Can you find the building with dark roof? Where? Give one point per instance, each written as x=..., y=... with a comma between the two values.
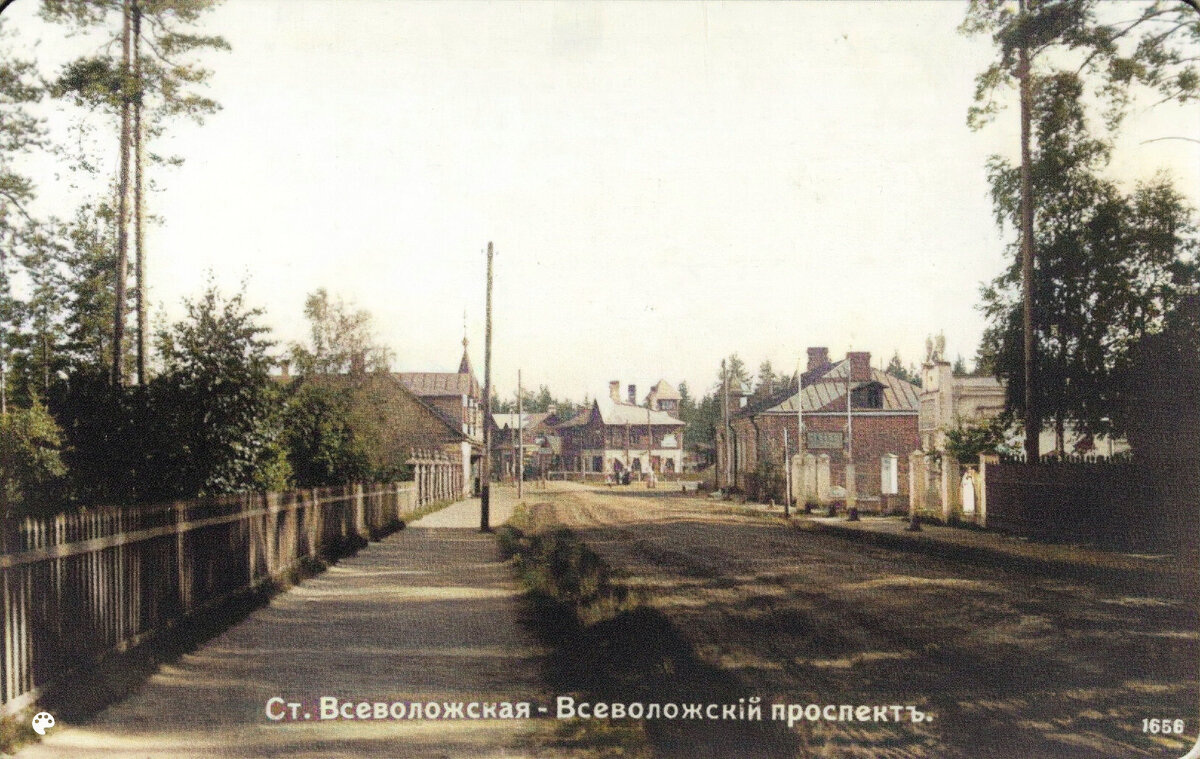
x=882, y=420
x=540, y=448
x=458, y=398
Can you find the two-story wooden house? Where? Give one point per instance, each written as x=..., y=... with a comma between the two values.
x=615, y=436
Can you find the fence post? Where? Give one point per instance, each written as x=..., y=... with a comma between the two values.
x=360, y=513
x=823, y=479
x=951, y=488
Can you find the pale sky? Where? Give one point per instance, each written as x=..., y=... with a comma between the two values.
x=665, y=183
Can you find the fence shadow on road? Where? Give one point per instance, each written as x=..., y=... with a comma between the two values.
x=607, y=646
x=1008, y=664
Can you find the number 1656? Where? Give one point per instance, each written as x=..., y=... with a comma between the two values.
x=1164, y=726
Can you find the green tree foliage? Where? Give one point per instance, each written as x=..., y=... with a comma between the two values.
x=1107, y=263
x=171, y=80
x=89, y=259
x=735, y=369
x=1158, y=399
x=218, y=401
x=322, y=445
x=20, y=132
x=341, y=339
x=967, y=439
x=537, y=402
x=209, y=423
x=1113, y=50
x=897, y=369
x=154, y=79
x=768, y=380
x=31, y=467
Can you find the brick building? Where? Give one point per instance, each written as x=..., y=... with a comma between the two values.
x=882, y=419
x=614, y=436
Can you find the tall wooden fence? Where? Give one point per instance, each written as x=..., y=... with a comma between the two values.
x=1123, y=503
x=77, y=586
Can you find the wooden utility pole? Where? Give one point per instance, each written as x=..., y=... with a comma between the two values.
x=849, y=417
x=649, y=448
x=485, y=467
x=520, y=451
x=1032, y=422
x=787, y=477
x=801, y=440
x=725, y=424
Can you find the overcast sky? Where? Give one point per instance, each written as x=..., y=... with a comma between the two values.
x=665, y=183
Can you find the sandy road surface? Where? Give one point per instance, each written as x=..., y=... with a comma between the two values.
x=1008, y=665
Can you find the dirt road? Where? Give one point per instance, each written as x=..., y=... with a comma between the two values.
x=1008, y=665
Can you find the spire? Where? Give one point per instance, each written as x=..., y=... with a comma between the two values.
x=464, y=366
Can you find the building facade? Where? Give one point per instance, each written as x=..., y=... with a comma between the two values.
x=947, y=401
x=882, y=420
x=458, y=398
x=614, y=436
x=540, y=447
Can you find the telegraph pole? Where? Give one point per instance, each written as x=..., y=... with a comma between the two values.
x=520, y=454
x=649, y=449
x=725, y=424
x=801, y=440
x=787, y=478
x=485, y=475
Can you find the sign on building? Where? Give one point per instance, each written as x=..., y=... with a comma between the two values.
x=824, y=440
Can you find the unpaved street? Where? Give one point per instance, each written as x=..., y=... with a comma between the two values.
x=1008, y=665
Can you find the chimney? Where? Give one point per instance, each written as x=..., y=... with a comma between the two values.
x=633, y=395
x=860, y=366
x=817, y=358
x=284, y=364
x=614, y=390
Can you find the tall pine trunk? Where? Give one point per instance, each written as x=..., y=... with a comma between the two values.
x=138, y=197
x=1032, y=422
x=122, y=273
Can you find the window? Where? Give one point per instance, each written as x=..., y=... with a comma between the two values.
x=868, y=396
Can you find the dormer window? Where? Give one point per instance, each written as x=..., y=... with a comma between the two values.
x=868, y=396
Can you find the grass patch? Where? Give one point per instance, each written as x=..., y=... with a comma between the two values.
x=609, y=644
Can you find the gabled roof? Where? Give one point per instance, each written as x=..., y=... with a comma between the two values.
x=620, y=414
x=442, y=384
x=528, y=420
x=829, y=387
x=612, y=412
x=826, y=386
x=664, y=392
x=352, y=380
x=431, y=384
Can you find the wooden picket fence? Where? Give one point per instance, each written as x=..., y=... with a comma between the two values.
x=75, y=587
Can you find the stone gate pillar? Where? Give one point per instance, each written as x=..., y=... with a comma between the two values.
x=950, y=490
x=810, y=477
x=851, y=486
x=823, y=479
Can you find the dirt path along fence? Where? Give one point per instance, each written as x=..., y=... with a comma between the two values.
x=75, y=587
